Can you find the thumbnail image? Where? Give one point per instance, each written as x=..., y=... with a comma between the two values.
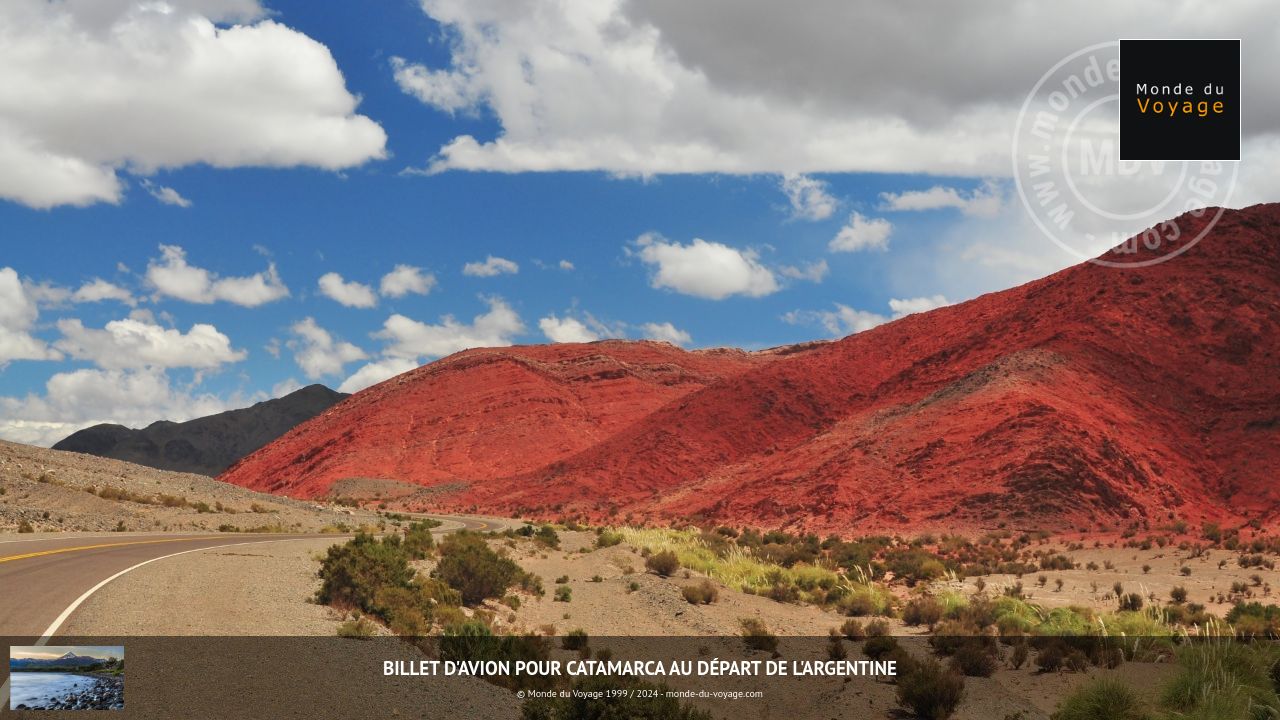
x=66, y=677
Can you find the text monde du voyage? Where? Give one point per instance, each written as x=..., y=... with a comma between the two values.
x=1180, y=99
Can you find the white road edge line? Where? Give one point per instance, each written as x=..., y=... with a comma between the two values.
x=48, y=633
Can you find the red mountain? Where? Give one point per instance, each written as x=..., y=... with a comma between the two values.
x=1094, y=397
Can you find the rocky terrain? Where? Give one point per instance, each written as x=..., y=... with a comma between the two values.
x=107, y=693
x=50, y=490
x=206, y=445
x=1093, y=399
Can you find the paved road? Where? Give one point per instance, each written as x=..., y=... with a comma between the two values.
x=44, y=579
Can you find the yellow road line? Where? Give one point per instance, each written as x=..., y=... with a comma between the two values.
x=55, y=551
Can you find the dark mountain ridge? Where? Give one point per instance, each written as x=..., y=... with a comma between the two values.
x=206, y=445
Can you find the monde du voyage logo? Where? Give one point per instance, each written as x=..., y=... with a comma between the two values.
x=1124, y=152
x=1180, y=100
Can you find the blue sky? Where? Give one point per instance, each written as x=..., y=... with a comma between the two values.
x=735, y=213
x=46, y=652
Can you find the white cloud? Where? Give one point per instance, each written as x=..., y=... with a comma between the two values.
x=862, y=233
x=318, y=353
x=663, y=86
x=445, y=90
x=566, y=265
x=809, y=197
x=97, y=290
x=172, y=276
x=566, y=330
x=93, y=88
x=705, y=269
x=18, y=314
x=985, y=201
x=844, y=320
x=46, y=294
x=405, y=279
x=349, y=294
x=666, y=332
x=490, y=267
x=409, y=341
x=375, y=372
x=75, y=400
x=813, y=272
x=911, y=306
x=166, y=195
x=408, y=338
x=124, y=344
x=285, y=387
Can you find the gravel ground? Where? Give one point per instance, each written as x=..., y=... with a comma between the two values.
x=246, y=590
x=48, y=489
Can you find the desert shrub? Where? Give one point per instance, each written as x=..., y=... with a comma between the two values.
x=202, y=506
x=404, y=611
x=532, y=584
x=1211, y=532
x=172, y=501
x=663, y=563
x=473, y=640
x=1013, y=626
x=862, y=599
x=704, y=593
x=418, y=542
x=1050, y=658
x=878, y=646
x=1224, y=679
x=951, y=634
x=608, y=538
x=562, y=579
x=1254, y=619
x=756, y=636
x=853, y=630
x=1178, y=594
x=469, y=566
x=930, y=690
x=876, y=628
x=1131, y=602
x=564, y=593
x=575, y=641
x=353, y=573
x=925, y=610
x=783, y=592
x=835, y=646
x=1018, y=655
x=25, y=527
x=1056, y=562
x=1075, y=660
x=610, y=697
x=1102, y=699
x=914, y=565
x=358, y=628
x=546, y=535
x=975, y=658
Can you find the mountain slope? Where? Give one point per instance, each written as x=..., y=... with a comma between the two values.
x=1094, y=397
x=206, y=445
x=486, y=413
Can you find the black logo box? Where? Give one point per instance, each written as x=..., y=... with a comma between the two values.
x=1186, y=67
